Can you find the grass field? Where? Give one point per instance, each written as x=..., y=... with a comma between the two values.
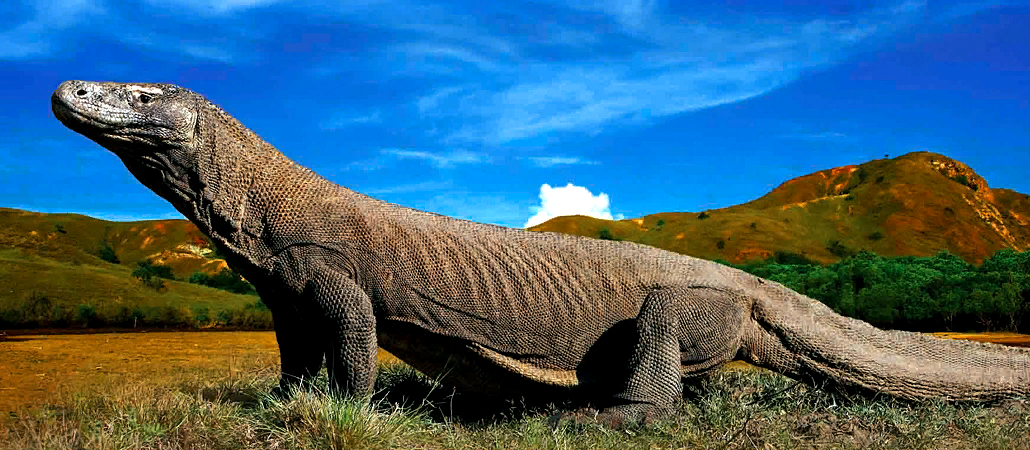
x=206, y=390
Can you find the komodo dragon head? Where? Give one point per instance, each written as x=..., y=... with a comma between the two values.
x=173, y=140
x=153, y=128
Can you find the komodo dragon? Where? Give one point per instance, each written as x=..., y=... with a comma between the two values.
x=493, y=309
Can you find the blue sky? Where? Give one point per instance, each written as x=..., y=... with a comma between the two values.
x=501, y=112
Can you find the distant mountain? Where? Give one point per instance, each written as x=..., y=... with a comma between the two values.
x=914, y=205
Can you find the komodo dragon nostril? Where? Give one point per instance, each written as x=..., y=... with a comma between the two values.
x=80, y=92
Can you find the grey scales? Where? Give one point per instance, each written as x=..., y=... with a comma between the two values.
x=490, y=309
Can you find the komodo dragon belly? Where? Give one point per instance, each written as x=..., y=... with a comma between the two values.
x=469, y=366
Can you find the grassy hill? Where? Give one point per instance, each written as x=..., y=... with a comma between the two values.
x=53, y=276
x=40, y=291
x=78, y=238
x=914, y=205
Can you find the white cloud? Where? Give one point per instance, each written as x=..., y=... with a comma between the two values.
x=567, y=201
x=438, y=160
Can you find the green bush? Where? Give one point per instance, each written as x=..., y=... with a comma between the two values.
x=939, y=293
x=607, y=235
x=876, y=235
x=86, y=315
x=838, y=249
x=704, y=215
x=721, y=244
x=151, y=274
x=37, y=310
x=147, y=268
x=107, y=253
x=201, y=316
x=225, y=279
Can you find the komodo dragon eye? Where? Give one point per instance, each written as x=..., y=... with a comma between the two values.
x=145, y=98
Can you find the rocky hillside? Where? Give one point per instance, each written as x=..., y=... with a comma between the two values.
x=916, y=204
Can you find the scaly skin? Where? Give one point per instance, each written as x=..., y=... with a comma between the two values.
x=486, y=308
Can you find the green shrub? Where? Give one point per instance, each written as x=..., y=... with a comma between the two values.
x=11, y=318
x=721, y=244
x=225, y=279
x=704, y=215
x=201, y=316
x=659, y=224
x=147, y=268
x=607, y=235
x=37, y=310
x=850, y=197
x=838, y=249
x=86, y=315
x=151, y=274
x=107, y=253
x=876, y=235
x=792, y=258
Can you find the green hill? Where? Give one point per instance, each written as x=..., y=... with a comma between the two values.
x=914, y=205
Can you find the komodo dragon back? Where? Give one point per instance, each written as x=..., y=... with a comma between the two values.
x=491, y=309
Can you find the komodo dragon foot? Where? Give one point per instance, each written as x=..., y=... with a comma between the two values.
x=618, y=417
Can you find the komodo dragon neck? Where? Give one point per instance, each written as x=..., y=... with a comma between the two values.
x=219, y=174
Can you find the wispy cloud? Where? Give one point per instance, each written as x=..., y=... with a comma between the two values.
x=551, y=161
x=507, y=73
x=39, y=35
x=439, y=160
x=58, y=26
x=339, y=121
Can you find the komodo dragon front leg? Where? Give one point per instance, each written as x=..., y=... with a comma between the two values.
x=337, y=322
x=299, y=359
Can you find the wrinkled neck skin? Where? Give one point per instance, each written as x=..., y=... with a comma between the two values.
x=215, y=190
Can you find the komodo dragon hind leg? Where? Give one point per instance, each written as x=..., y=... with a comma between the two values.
x=680, y=333
x=654, y=383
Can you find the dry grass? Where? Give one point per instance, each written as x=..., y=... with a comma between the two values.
x=207, y=390
x=733, y=410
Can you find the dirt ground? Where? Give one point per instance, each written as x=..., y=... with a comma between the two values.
x=35, y=368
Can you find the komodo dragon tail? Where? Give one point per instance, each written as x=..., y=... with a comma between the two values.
x=802, y=338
